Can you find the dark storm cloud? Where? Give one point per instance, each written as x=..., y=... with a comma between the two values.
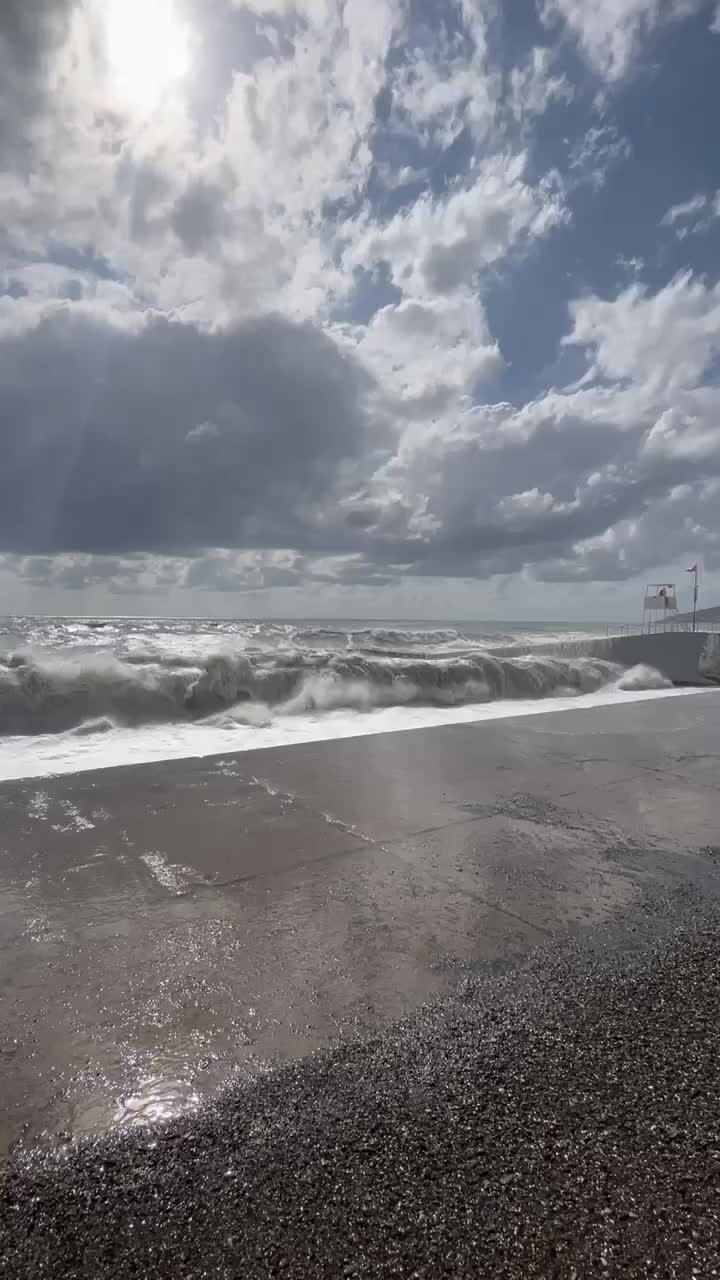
x=471, y=491
x=494, y=507
x=30, y=32
x=171, y=439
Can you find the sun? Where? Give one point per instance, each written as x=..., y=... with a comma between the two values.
x=147, y=49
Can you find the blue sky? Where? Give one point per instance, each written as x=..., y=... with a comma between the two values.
x=368, y=309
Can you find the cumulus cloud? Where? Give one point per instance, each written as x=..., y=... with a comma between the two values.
x=427, y=352
x=599, y=457
x=663, y=342
x=683, y=436
x=438, y=246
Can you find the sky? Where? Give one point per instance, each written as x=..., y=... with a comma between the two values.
x=382, y=308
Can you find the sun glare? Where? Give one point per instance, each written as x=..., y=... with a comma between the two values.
x=148, y=49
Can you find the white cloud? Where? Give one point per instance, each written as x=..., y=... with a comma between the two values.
x=393, y=179
x=203, y=431
x=611, y=32
x=518, y=507
x=595, y=153
x=439, y=90
x=663, y=342
x=686, y=209
x=660, y=344
x=683, y=436
x=440, y=244
x=693, y=216
x=251, y=214
x=534, y=86
x=603, y=461
x=632, y=266
x=226, y=222
x=123, y=575
x=426, y=353
x=432, y=349
x=25, y=315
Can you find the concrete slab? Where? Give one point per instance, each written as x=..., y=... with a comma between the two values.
x=167, y=928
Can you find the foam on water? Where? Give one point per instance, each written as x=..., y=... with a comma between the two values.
x=67, y=753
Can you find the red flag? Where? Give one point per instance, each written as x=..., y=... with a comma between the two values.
x=692, y=569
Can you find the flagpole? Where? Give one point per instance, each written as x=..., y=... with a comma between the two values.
x=695, y=596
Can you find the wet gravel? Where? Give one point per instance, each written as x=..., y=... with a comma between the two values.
x=561, y=1121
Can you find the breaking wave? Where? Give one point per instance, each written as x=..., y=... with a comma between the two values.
x=93, y=691
x=642, y=677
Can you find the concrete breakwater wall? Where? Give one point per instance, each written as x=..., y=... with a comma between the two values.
x=685, y=657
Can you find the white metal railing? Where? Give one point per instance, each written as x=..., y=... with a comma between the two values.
x=655, y=628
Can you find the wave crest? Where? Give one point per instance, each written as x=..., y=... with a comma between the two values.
x=41, y=693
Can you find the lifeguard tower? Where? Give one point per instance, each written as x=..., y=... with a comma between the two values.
x=660, y=611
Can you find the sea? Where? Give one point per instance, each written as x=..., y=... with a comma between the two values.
x=91, y=692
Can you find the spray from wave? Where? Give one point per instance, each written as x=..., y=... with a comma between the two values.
x=51, y=692
x=642, y=677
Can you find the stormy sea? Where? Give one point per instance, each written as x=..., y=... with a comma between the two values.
x=80, y=693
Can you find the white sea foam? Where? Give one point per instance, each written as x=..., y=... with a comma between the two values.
x=643, y=677
x=171, y=876
x=49, y=754
x=39, y=806
x=73, y=820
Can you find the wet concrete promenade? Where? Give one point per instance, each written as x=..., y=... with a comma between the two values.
x=424, y=907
